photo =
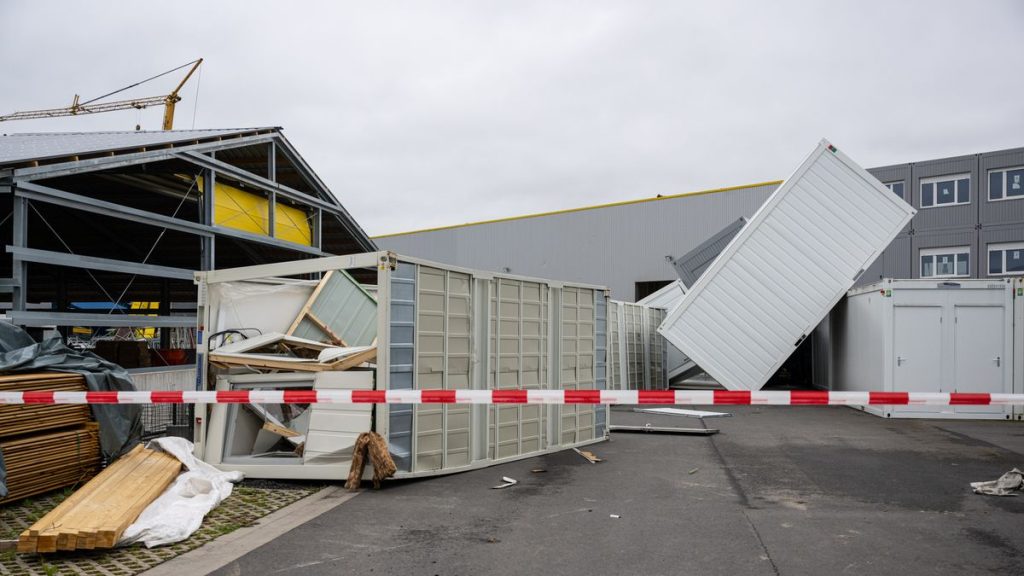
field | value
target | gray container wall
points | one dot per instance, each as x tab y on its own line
1000	211
897	173
942	217
614	246
997	235
948	238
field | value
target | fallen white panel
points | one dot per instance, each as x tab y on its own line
779	277
683	412
667	298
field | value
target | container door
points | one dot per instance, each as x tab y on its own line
917	352
978	353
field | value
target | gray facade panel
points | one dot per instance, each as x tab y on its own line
895	262
691	265
941	217
616	246
948	238
1000	211
997	235
892	174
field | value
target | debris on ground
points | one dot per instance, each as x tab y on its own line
538	470
373	445
588	455
683	412
664	430
506	482
1009	484
614	516
694	471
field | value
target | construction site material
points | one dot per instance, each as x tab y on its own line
38	463
120	426
336	359
276	342
1009	484
664	430
373	446
682	412
239	437
588	455
338	311
786	269
180	509
637	353
505	483
99	512
925	335
18	419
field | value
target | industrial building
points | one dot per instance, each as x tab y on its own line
95	221
970	224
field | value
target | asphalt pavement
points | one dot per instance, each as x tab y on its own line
781	490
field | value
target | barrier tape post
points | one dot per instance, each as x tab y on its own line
624	397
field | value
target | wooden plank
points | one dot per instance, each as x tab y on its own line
280	430
353	360
334	338
309	303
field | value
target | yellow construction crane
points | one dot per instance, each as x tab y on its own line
93	106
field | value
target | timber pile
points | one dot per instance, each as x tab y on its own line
97	514
44	462
46	446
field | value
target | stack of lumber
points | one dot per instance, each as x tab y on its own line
43	462
46	446
98	513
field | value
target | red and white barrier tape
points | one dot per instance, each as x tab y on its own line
682	397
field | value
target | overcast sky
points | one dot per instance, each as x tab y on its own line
425	114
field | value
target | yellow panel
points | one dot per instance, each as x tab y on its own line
291	224
241	210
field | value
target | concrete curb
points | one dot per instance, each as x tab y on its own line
218	553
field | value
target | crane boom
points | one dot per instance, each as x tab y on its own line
93	107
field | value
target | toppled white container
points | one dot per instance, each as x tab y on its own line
786	269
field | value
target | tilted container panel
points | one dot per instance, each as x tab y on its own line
784	271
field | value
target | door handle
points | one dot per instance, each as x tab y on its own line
997	361
900	360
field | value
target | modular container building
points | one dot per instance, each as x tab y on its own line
930	336
785	270
438	327
637	353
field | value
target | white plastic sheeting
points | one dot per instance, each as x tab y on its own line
786	269
180	510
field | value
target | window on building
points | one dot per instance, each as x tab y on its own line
1006	183
896	188
1006	258
946	262
946	190
645	289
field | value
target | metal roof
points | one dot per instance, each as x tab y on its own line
15	148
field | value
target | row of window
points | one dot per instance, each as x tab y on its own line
956	262
1003	184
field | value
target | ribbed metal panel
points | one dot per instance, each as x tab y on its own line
893	174
402	355
939	217
1000	211
785	270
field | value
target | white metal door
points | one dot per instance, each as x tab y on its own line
978	353
917	351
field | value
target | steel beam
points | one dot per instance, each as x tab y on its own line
309	266
19	237
50	318
257	181
108	162
40	193
94	263
207	259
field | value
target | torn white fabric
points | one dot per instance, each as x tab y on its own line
180	510
1008	484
